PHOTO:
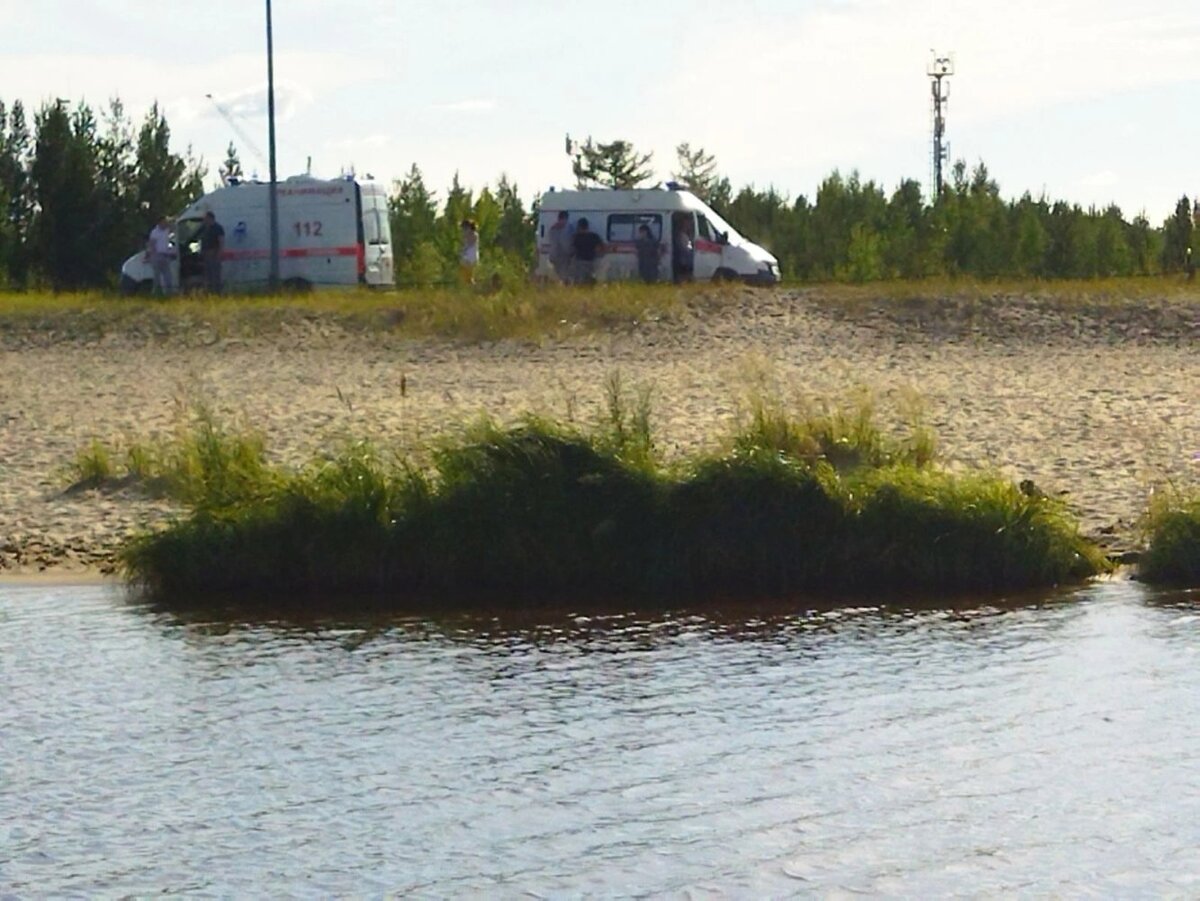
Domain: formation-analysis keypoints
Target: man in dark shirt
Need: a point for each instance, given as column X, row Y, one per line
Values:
column 586, row 246
column 212, row 242
column 648, row 252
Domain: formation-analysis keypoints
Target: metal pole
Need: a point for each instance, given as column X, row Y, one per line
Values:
column 273, row 276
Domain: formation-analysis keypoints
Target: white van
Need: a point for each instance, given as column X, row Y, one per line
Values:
column 331, row 232
column 720, row 253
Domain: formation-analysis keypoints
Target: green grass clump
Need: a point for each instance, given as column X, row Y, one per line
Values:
column 538, row 510
column 93, row 467
column 205, row 466
column 1172, row 528
column 844, row 435
column 929, row 528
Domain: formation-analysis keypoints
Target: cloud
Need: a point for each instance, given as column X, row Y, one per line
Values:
column 1105, row 178
column 301, row 78
column 475, row 105
column 252, row 102
column 844, row 78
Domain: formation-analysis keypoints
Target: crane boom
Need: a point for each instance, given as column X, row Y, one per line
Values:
column 237, row 129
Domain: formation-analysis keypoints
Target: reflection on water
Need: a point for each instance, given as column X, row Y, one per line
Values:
column 1038, row 749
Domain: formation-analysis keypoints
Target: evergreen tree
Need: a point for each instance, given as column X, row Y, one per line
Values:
column 612, row 165
column 1177, row 237
column 166, row 181
column 64, row 175
column 698, row 170
column 16, row 195
column 514, row 232
column 232, row 167
column 412, row 212
column 460, row 205
column 8, row 237
column 1113, row 256
column 1030, row 238
column 1143, row 245
column 905, row 230
column 117, row 234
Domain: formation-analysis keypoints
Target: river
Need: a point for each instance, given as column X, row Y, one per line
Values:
column 1038, row 748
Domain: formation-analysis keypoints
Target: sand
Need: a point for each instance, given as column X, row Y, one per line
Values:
column 1094, row 400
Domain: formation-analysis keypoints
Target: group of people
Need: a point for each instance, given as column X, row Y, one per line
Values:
column 575, row 250
column 161, row 252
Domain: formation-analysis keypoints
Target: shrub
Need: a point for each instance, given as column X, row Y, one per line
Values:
column 1172, row 527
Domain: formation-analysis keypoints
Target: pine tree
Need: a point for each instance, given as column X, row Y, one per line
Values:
column 16, row 186
column 698, row 170
column 63, row 237
column 232, row 167
column 612, row 165
column 166, row 181
column 412, row 213
column 514, row 233
column 118, row 233
column 1177, row 237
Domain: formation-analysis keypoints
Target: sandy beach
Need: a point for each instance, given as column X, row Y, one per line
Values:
column 1094, row 399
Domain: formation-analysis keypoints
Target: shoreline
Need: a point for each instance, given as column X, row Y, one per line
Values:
column 1089, row 398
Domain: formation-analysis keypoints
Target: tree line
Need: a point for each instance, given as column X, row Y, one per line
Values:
column 79, row 191
column 850, row 230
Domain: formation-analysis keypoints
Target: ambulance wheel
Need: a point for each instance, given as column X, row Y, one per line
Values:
column 725, row 276
column 297, row 286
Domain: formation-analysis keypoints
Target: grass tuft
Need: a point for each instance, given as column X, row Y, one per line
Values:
column 93, row 467
column 542, row 510
column 1172, row 528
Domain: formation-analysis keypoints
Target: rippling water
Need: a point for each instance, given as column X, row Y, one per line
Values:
column 1043, row 749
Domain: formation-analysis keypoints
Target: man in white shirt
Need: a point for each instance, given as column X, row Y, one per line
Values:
column 160, row 253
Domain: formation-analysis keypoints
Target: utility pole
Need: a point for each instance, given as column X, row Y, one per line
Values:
column 939, row 71
column 273, row 200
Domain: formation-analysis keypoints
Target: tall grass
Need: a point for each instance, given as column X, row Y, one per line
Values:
column 1172, row 528
column 93, row 467
column 521, row 311
column 205, row 465
column 536, row 510
column 516, row 309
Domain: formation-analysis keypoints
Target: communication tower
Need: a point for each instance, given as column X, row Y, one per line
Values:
column 939, row 71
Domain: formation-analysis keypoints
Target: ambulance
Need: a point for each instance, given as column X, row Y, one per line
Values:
column 331, row 233
column 719, row 252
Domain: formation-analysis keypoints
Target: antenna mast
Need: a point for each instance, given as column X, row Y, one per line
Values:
column 939, row 72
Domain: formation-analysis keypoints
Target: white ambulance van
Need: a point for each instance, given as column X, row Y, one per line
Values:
column 331, row 232
column 719, row 252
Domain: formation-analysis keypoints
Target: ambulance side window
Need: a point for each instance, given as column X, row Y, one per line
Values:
column 704, row 230
column 624, row 226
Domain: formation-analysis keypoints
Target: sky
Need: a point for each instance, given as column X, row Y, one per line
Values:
column 1092, row 101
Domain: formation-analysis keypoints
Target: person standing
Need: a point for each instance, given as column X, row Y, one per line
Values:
column 160, row 253
column 212, row 242
column 586, row 246
column 469, row 258
column 648, row 253
column 560, row 247
column 684, row 251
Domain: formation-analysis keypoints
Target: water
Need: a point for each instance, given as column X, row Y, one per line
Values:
column 1037, row 750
